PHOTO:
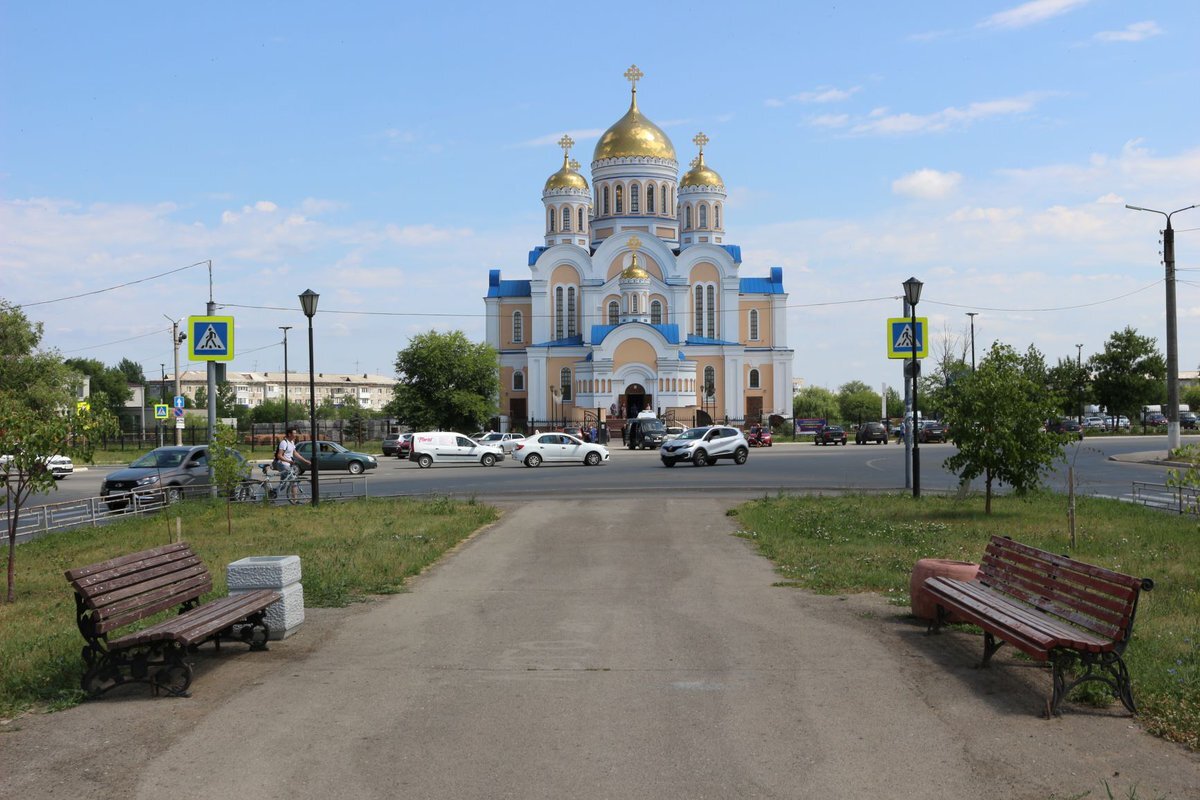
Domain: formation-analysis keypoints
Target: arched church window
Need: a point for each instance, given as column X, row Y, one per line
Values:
column 614, row 313
column 754, row 384
column 664, row 205
column 655, row 312
column 566, row 218
column 704, row 215
column 754, row 324
column 571, row 331
column 620, row 199
column 550, row 220
column 558, row 312
column 698, row 317
column 605, row 205
column 711, row 312
column 650, row 198
column 710, row 382
column 635, row 196
column 518, row 323
column 717, row 216
column 564, row 382
column 518, row 381
column 633, row 304
column 581, row 226
column 687, row 218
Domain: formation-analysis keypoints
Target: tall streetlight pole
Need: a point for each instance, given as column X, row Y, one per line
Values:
column 285, row 329
column 912, row 295
column 1079, row 377
column 972, row 315
column 308, row 302
column 176, row 339
column 1172, row 330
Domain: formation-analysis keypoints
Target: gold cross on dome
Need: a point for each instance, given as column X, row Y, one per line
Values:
column 566, row 142
column 574, row 165
column 633, row 75
column 694, row 162
column 635, row 243
column 700, row 140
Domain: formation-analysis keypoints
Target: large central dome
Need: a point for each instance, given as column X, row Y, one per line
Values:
column 632, row 136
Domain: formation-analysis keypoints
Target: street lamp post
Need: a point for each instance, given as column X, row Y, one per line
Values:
column 972, row 315
column 1172, row 330
column 1079, row 377
column 285, row 329
column 308, row 302
column 912, row 295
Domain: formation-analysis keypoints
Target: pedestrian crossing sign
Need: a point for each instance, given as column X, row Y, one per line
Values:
column 902, row 338
column 210, row 338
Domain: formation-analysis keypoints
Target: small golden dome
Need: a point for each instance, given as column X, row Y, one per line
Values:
column 635, row 271
column 701, row 175
column 633, row 135
column 566, row 178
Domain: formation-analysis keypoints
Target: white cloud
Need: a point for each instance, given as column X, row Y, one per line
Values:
column 881, row 122
column 829, row 121
column 1031, row 13
column 1136, row 32
column 927, row 184
column 579, row 135
column 822, row 94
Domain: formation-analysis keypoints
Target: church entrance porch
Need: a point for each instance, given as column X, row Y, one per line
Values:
column 635, row 400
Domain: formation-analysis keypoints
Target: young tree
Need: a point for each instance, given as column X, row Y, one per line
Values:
column 858, row 402
column 445, row 381
column 816, row 402
column 1129, row 373
column 228, row 470
column 1069, row 380
column 108, row 385
column 132, row 371
column 996, row 416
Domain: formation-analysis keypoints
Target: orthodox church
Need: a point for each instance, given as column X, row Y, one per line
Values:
column 636, row 300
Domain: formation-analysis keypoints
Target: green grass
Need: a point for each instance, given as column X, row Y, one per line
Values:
column 860, row 543
column 347, row 550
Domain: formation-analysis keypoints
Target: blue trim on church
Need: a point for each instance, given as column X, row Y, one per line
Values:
column 499, row 288
column 734, row 250
column 535, row 254
column 670, row 331
column 771, row 285
column 698, row 340
column 569, row 341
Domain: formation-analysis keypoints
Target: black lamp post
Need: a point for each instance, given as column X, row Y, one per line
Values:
column 1079, row 378
column 285, row 329
column 912, row 295
column 972, row 315
column 308, row 302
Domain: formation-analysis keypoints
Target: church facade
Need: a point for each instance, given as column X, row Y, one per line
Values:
column 636, row 300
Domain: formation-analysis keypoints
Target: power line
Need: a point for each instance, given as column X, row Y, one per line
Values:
column 1038, row 310
column 111, row 288
column 118, row 341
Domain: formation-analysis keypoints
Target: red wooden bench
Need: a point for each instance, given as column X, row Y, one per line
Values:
column 122, row 591
column 1077, row 616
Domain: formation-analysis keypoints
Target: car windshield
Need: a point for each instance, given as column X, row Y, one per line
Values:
column 652, row 425
column 158, row 459
column 694, row 433
column 493, row 437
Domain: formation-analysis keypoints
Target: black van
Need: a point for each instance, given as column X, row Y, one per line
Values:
column 647, row 434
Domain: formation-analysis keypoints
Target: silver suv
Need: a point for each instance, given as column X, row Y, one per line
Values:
column 704, row 446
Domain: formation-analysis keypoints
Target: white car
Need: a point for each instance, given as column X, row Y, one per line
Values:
column 447, row 447
column 704, row 446
column 1094, row 423
column 558, row 447
column 58, row 466
column 505, row 441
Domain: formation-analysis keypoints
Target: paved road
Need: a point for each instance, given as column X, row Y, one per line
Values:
column 633, row 650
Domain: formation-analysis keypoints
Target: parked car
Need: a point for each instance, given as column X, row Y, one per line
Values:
column 505, row 441
column 705, row 446
column 166, row 468
column 558, row 448
column 391, row 444
column 332, row 456
column 1155, row 419
column 673, row 432
column 1066, row 426
column 871, row 432
column 759, row 436
column 931, row 431
column 59, row 466
column 1094, row 424
column 1117, row 423
column 645, row 433
column 404, row 446
column 1188, row 420
column 448, row 447
column 830, row 434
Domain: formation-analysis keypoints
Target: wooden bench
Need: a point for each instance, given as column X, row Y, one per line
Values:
column 116, row 593
column 1077, row 616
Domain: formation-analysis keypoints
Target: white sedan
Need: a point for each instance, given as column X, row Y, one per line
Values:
column 558, row 447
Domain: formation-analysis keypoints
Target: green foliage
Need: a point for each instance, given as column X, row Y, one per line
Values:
column 228, row 470
column 816, row 402
column 1186, row 477
column 226, row 400
column 1191, row 396
column 895, row 403
column 446, row 382
column 132, row 371
column 1129, row 373
column 1070, row 381
column 996, row 417
column 107, row 385
column 858, row 402
column 272, row 411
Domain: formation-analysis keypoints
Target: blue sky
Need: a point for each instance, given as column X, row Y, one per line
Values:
column 388, row 158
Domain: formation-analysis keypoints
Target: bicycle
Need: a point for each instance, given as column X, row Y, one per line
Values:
column 287, row 488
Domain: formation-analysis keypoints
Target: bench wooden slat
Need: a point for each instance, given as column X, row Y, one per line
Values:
column 1055, row 598
column 168, row 598
column 1066, row 588
column 132, row 558
column 203, row 622
column 111, row 581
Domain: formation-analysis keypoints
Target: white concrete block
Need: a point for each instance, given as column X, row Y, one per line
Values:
column 263, row 572
column 284, row 615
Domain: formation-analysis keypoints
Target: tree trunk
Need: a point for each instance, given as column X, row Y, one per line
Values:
column 12, row 554
column 987, row 506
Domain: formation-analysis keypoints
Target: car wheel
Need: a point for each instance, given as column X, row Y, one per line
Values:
column 592, row 459
column 740, row 455
column 532, row 460
column 699, row 458
column 668, row 462
column 424, row 461
column 487, row 460
column 355, row 467
column 173, row 495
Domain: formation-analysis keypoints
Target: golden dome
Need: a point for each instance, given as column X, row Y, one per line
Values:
column 634, row 135
column 635, row 271
column 701, row 175
column 566, row 178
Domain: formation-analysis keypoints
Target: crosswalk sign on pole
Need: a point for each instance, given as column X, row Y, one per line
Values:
column 902, row 339
column 160, row 411
column 210, row 338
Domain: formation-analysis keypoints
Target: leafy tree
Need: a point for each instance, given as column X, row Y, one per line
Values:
column 227, row 469
column 1129, row 373
column 272, row 411
column 815, row 402
column 1070, row 381
column 132, row 371
column 996, row 416
column 445, row 381
column 226, row 399
column 108, row 385
column 895, row 403
column 858, row 402
column 1191, row 396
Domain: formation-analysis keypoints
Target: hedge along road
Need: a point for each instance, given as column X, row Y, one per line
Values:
column 630, row 649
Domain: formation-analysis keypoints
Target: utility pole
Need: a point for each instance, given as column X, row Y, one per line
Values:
column 176, row 339
column 162, row 398
column 1079, row 377
column 285, row 329
column 972, row 315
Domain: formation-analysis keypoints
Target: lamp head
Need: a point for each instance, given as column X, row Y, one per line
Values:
column 912, row 291
column 308, row 302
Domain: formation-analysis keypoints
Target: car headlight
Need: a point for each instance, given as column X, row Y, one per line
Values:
column 146, row 481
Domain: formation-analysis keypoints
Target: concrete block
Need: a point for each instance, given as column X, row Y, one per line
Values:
column 263, row 572
column 284, row 615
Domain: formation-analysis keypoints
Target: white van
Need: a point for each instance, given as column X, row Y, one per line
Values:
column 447, row 447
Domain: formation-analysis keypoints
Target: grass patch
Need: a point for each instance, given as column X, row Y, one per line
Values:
column 860, row 543
column 347, row 550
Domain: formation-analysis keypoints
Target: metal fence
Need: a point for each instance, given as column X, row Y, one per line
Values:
column 1180, row 499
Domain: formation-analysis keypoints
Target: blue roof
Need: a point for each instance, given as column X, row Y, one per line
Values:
column 670, row 332
column 771, row 285
column 499, row 288
column 734, row 250
column 694, row 339
column 570, row 341
column 535, row 254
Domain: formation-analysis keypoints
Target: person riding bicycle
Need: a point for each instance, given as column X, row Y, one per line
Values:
column 286, row 455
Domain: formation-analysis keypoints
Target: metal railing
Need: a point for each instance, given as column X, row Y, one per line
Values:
column 1180, row 499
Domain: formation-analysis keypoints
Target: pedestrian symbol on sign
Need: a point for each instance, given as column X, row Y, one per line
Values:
column 903, row 338
column 211, row 338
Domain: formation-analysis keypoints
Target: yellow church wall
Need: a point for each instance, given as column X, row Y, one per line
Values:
column 564, row 274
column 766, row 383
column 718, row 364
column 764, row 321
column 704, row 273
column 506, row 325
column 634, row 351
